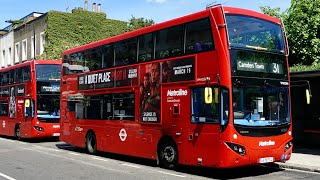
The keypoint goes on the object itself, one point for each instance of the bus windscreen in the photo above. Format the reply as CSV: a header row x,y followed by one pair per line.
x,y
254,33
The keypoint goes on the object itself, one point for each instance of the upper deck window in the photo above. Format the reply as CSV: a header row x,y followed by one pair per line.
x,y
146,47
93,59
178,40
4,78
199,36
126,52
254,33
169,42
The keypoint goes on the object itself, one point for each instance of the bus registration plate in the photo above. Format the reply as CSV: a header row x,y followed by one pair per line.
x,y
266,160
56,134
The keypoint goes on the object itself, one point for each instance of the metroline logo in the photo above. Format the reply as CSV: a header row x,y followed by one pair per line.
x,y
179,92
267,143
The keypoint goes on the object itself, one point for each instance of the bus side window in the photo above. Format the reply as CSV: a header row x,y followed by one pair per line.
x,y
5,78
199,36
18,75
145,47
108,56
169,42
4,108
126,52
26,73
93,59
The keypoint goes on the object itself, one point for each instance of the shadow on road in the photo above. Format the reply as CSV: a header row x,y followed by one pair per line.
x,y
249,171
35,140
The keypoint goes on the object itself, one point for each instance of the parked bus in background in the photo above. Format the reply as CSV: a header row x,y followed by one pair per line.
x,y
30,99
207,89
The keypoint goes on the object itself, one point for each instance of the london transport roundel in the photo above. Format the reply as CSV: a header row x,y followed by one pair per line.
x,y
123,134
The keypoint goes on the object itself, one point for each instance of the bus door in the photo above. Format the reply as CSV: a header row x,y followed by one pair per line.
x,y
26,123
204,130
4,128
125,128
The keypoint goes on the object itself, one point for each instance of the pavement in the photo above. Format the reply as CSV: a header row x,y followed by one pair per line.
x,y
306,159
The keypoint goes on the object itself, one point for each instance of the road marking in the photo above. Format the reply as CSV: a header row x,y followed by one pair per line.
x,y
171,174
100,159
130,165
72,153
7,177
50,149
78,161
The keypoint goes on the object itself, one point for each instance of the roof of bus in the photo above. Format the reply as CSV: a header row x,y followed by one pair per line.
x,y
30,62
232,10
173,22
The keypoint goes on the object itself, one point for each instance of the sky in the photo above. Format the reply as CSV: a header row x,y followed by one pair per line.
x,y
158,10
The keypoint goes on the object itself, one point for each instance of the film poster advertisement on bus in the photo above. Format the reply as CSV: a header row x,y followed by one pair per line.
x,y
160,72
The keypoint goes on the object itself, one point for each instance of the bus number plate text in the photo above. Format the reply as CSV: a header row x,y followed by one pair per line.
x,y
266,160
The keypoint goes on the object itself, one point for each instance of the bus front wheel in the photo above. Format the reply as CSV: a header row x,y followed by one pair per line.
x,y
91,142
168,155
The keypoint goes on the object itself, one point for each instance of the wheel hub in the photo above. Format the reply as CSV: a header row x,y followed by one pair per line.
x,y
169,153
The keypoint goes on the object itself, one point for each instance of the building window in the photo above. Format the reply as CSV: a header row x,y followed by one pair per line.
x,y
3,57
9,56
17,52
33,48
42,42
24,50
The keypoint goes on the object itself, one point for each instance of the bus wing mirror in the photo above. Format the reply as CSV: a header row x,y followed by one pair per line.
x,y
216,95
208,95
308,96
27,103
28,108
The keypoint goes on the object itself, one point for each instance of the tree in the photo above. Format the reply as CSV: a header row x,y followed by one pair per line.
x,y
137,23
275,12
303,27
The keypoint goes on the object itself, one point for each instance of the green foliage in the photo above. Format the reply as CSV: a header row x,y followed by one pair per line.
x,y
301,67
14,22
275,12
303,26
137,23
68,30
302,22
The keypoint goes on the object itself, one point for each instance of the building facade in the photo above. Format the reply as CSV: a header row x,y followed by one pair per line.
x,y
29,39
7,48
46,36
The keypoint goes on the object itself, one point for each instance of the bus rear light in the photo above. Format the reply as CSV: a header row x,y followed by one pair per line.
x,y
39,128
237,148
288,146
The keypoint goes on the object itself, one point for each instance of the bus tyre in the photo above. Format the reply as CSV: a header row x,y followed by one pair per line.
x,y
91,143
168,155
17,132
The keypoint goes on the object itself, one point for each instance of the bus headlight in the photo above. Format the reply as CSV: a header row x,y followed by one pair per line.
x,y
39,128
288,146
237,148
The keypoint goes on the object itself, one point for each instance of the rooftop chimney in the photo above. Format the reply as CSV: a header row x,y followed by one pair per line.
x,y
94,7
86,5
99,8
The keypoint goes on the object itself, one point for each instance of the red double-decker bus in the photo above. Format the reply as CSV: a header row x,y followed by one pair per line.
x,y
30,99
207,89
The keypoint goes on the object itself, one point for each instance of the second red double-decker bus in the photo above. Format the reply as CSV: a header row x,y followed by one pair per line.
x,y
30,99
208,89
